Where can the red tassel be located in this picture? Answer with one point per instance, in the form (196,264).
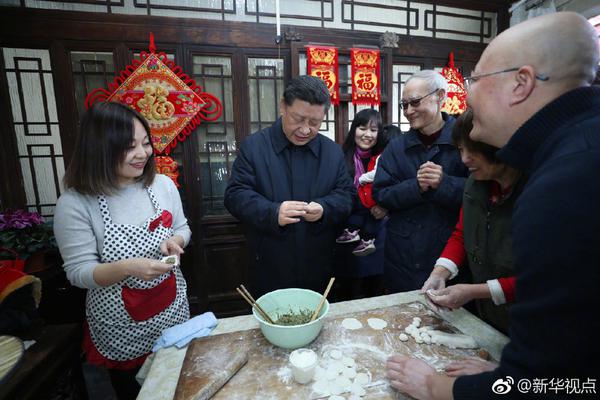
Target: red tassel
(451,60)
(152,46)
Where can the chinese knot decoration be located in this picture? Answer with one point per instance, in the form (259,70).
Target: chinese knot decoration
(168,98)
(167,166)
(366,83)
(322,62)
(456,99)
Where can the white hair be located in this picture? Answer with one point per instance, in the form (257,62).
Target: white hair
(434,81)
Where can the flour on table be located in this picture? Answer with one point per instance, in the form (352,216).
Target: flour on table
(403,337)
(377,323)
(351,324)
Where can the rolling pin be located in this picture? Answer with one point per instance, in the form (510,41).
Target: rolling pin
(231,367)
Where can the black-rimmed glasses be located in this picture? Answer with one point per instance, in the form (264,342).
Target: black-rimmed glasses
(415,102)
(469,80)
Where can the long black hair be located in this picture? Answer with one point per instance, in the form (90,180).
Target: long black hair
(364,118)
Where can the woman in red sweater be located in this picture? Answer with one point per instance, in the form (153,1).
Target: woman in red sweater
(481,238)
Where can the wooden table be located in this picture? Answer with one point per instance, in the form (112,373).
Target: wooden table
(162,373)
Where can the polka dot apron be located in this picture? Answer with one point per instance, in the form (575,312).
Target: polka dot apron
(126,318)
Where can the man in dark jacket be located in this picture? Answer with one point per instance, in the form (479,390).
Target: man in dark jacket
(420,180)
(290,188)
(540,106)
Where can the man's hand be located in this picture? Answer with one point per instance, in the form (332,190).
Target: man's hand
(314,212)
(290,212)
(469,366)
(409,375)
(378,212)
(429,175)
(146,268)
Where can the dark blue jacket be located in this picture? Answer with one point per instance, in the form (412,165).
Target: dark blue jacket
(554,322)
(269,170)
(420,223)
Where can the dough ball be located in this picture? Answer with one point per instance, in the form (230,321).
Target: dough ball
(331,373)
(321,387)
(357,390)
(349,373)
(335,354)
(361,379)
(348,362)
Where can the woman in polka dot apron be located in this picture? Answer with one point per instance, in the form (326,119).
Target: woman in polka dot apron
(113,224)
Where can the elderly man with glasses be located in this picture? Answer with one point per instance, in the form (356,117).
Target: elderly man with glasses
(420,180)
(532,97)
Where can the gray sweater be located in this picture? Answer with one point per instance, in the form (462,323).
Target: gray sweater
(79,228)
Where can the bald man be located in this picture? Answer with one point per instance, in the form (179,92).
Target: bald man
(530,94)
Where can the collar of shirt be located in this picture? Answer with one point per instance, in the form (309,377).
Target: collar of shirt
(280,141)
(563,111)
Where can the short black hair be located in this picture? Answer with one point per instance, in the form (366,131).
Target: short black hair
(460,136)
(307,88)
(106,132)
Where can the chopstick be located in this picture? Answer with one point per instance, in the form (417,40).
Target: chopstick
(318,310)
(250,300)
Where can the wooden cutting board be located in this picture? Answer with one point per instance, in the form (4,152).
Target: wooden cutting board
(267,375)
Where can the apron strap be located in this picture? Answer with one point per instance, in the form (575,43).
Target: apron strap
(153,199)
(104,210)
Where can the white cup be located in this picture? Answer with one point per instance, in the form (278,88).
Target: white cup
(304,363)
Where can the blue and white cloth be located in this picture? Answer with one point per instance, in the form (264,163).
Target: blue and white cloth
(180,335)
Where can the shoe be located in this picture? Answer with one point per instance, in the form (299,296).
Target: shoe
(348,236)
(364,248)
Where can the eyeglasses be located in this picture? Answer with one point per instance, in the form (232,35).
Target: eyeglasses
(469,80)
(415,102)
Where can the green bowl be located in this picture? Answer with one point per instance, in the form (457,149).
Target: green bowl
(281,301)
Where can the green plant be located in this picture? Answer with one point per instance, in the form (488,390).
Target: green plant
(25,233)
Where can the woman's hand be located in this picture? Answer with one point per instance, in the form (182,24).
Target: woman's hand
(146,268)
(469,366)
(437,279)
(172,246)
(378,212)
(456,296)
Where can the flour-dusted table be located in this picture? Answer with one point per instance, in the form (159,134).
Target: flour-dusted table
(162,372)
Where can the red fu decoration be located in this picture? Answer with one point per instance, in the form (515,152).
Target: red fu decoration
(322,62)
(366,84)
